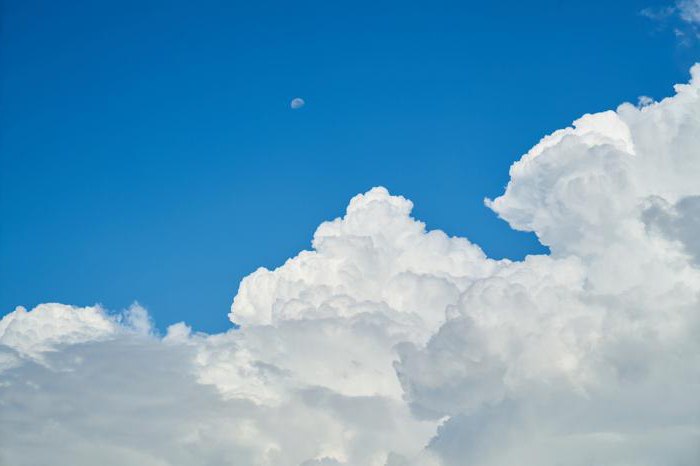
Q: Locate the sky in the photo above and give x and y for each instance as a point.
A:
(320, 234)
(148, 152)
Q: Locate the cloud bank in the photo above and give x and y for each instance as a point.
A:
(388, 344)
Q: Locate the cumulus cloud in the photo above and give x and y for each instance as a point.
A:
(389, 344)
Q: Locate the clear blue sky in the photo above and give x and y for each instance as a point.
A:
(148, 151)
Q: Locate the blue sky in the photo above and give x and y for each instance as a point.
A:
(148, 152)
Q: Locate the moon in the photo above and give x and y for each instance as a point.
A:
(297, 103)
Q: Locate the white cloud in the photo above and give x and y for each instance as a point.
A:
(683, 16)
(689, 11)
(388, 344)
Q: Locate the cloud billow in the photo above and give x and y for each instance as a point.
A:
(388, 344)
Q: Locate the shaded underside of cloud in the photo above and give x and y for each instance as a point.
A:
(389, 344)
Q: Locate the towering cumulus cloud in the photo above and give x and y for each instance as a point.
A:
(387, 344)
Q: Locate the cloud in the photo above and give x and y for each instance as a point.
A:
(689, 11)
(679, 222)
(390, 344)
(659, 14)
(683, 16)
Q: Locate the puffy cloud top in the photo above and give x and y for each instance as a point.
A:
(388, 344)
(53, 324)
(578, 188)
(377, 255)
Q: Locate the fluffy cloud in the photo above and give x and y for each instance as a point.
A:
(387, 344)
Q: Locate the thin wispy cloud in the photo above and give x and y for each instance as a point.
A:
(683, 18)
(689, 11)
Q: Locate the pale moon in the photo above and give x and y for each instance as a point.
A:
(296, 103)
